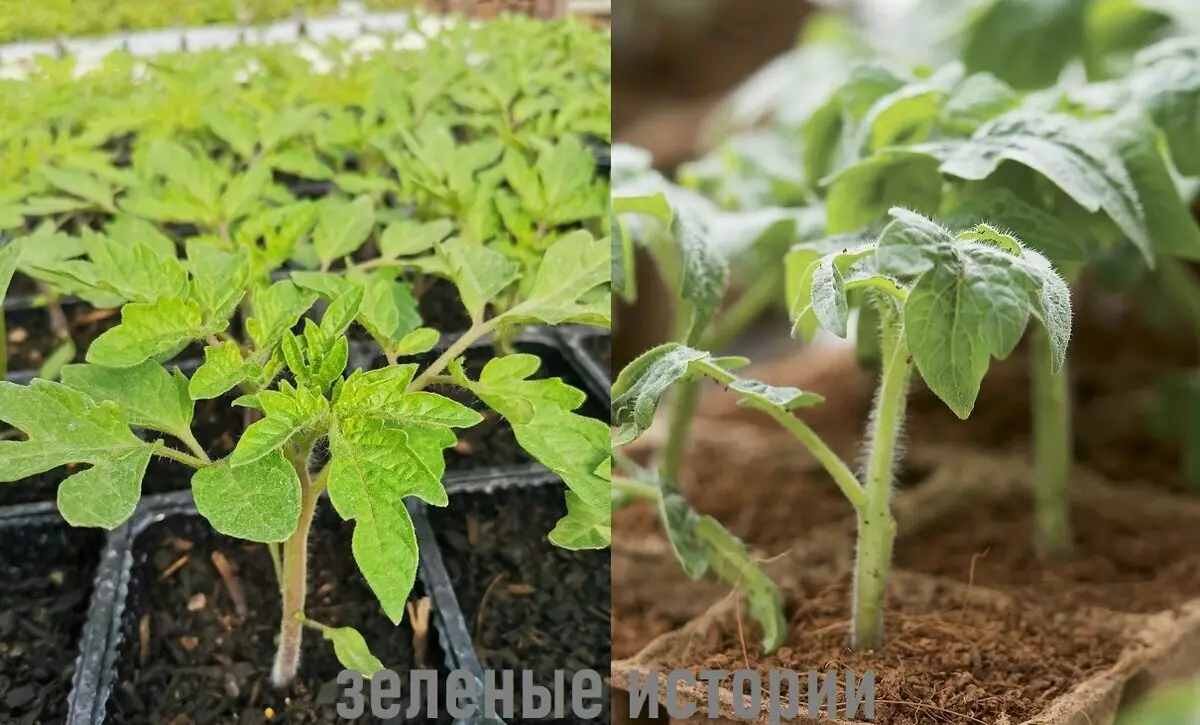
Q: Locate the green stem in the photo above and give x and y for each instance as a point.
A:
(189, 439)
(733, 321)
(832, 462)
(636, 489)
(276, 564)
(294, 584)
(687, 397)
(478, 330)
(1051, 451)
(3, 346)
(876, 527)
(180, 456)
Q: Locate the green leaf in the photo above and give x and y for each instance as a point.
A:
(479, 273)
(233, 130)
(976, 99)
(639, 388)
(377, 464)
(10, 255)
(1060, 149)
(1038, 229)
(342, 311)
(222, 370)
(343, 227)
(352, 651)
(572, 268)
(81, 184)
(540, 413)
(243, 191)
(151, 396)
(259, 501)
(1165, 82)
(129, 268)
(66, 426)
(389, 310)
(287, 412)
(731, 561)
(861, 194)
(584, 527)
(420, 340)
(150, 330)
(408, 237)
(276, 310)
(219, 278)
(53, 364)
(1169, 220)
(1026, 43)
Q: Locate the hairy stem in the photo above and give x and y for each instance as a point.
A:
(830, 461)
(733, 321)
(876, 527)
(294, 584)
(180, 456)
(1051, 451)
(477, 330)
(189, 439)
(3, 346)
(635, 489)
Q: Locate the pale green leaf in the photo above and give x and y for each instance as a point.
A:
(259, 501)
(222, 370)
(572, 268)
(343, 227)
(151, 396)
(155, 330)
(479, 273)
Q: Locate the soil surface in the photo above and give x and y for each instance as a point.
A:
(528, 604)
(441, 308)
(945, 660)
(216, 424)
(31, 340)
(1128, 566)
(491, 442)
(46, 575)
(188, 656)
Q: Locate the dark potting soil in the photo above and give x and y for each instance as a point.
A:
(491, 442)
(31, 340)
(1141, 567)
(529, 604)
(945, 660)
(441, 308)
(46, 574)
(187, 656)
(215, 423)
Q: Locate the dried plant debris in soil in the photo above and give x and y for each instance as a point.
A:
(529, 604)
(194, 651)
(491, 442)
(216, 422)
(946, 660)
(46, 574)
(1127, 565)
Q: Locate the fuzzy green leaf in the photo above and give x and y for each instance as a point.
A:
(1037, 228)
(241, 193)
(408, 237)
(573, 267)
(10, 255)
(276, 310)
(66, 426)
(584, 527)
(1166, 81)
(376, 464)
(287, 412)
(729, 559)
(1026, 43)
(151, 396)
(639, 388)
(1059, 148)
(861, 194)
(542, 418)
(352, 651)
(259, 501)
(222, 370)
(150, 330)
(420, 340)
(389, 310)
(479, 273)
(219, 278)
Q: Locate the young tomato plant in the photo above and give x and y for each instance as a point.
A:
(947, 304)
(385, 432)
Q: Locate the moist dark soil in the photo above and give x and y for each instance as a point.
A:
(216, 424)
(46, 574)
(600, 348)
(491, 442)
(441, 308)
(529, 604)
(31, 340)
(946, 660)
(188, 656)
(1124, 565)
